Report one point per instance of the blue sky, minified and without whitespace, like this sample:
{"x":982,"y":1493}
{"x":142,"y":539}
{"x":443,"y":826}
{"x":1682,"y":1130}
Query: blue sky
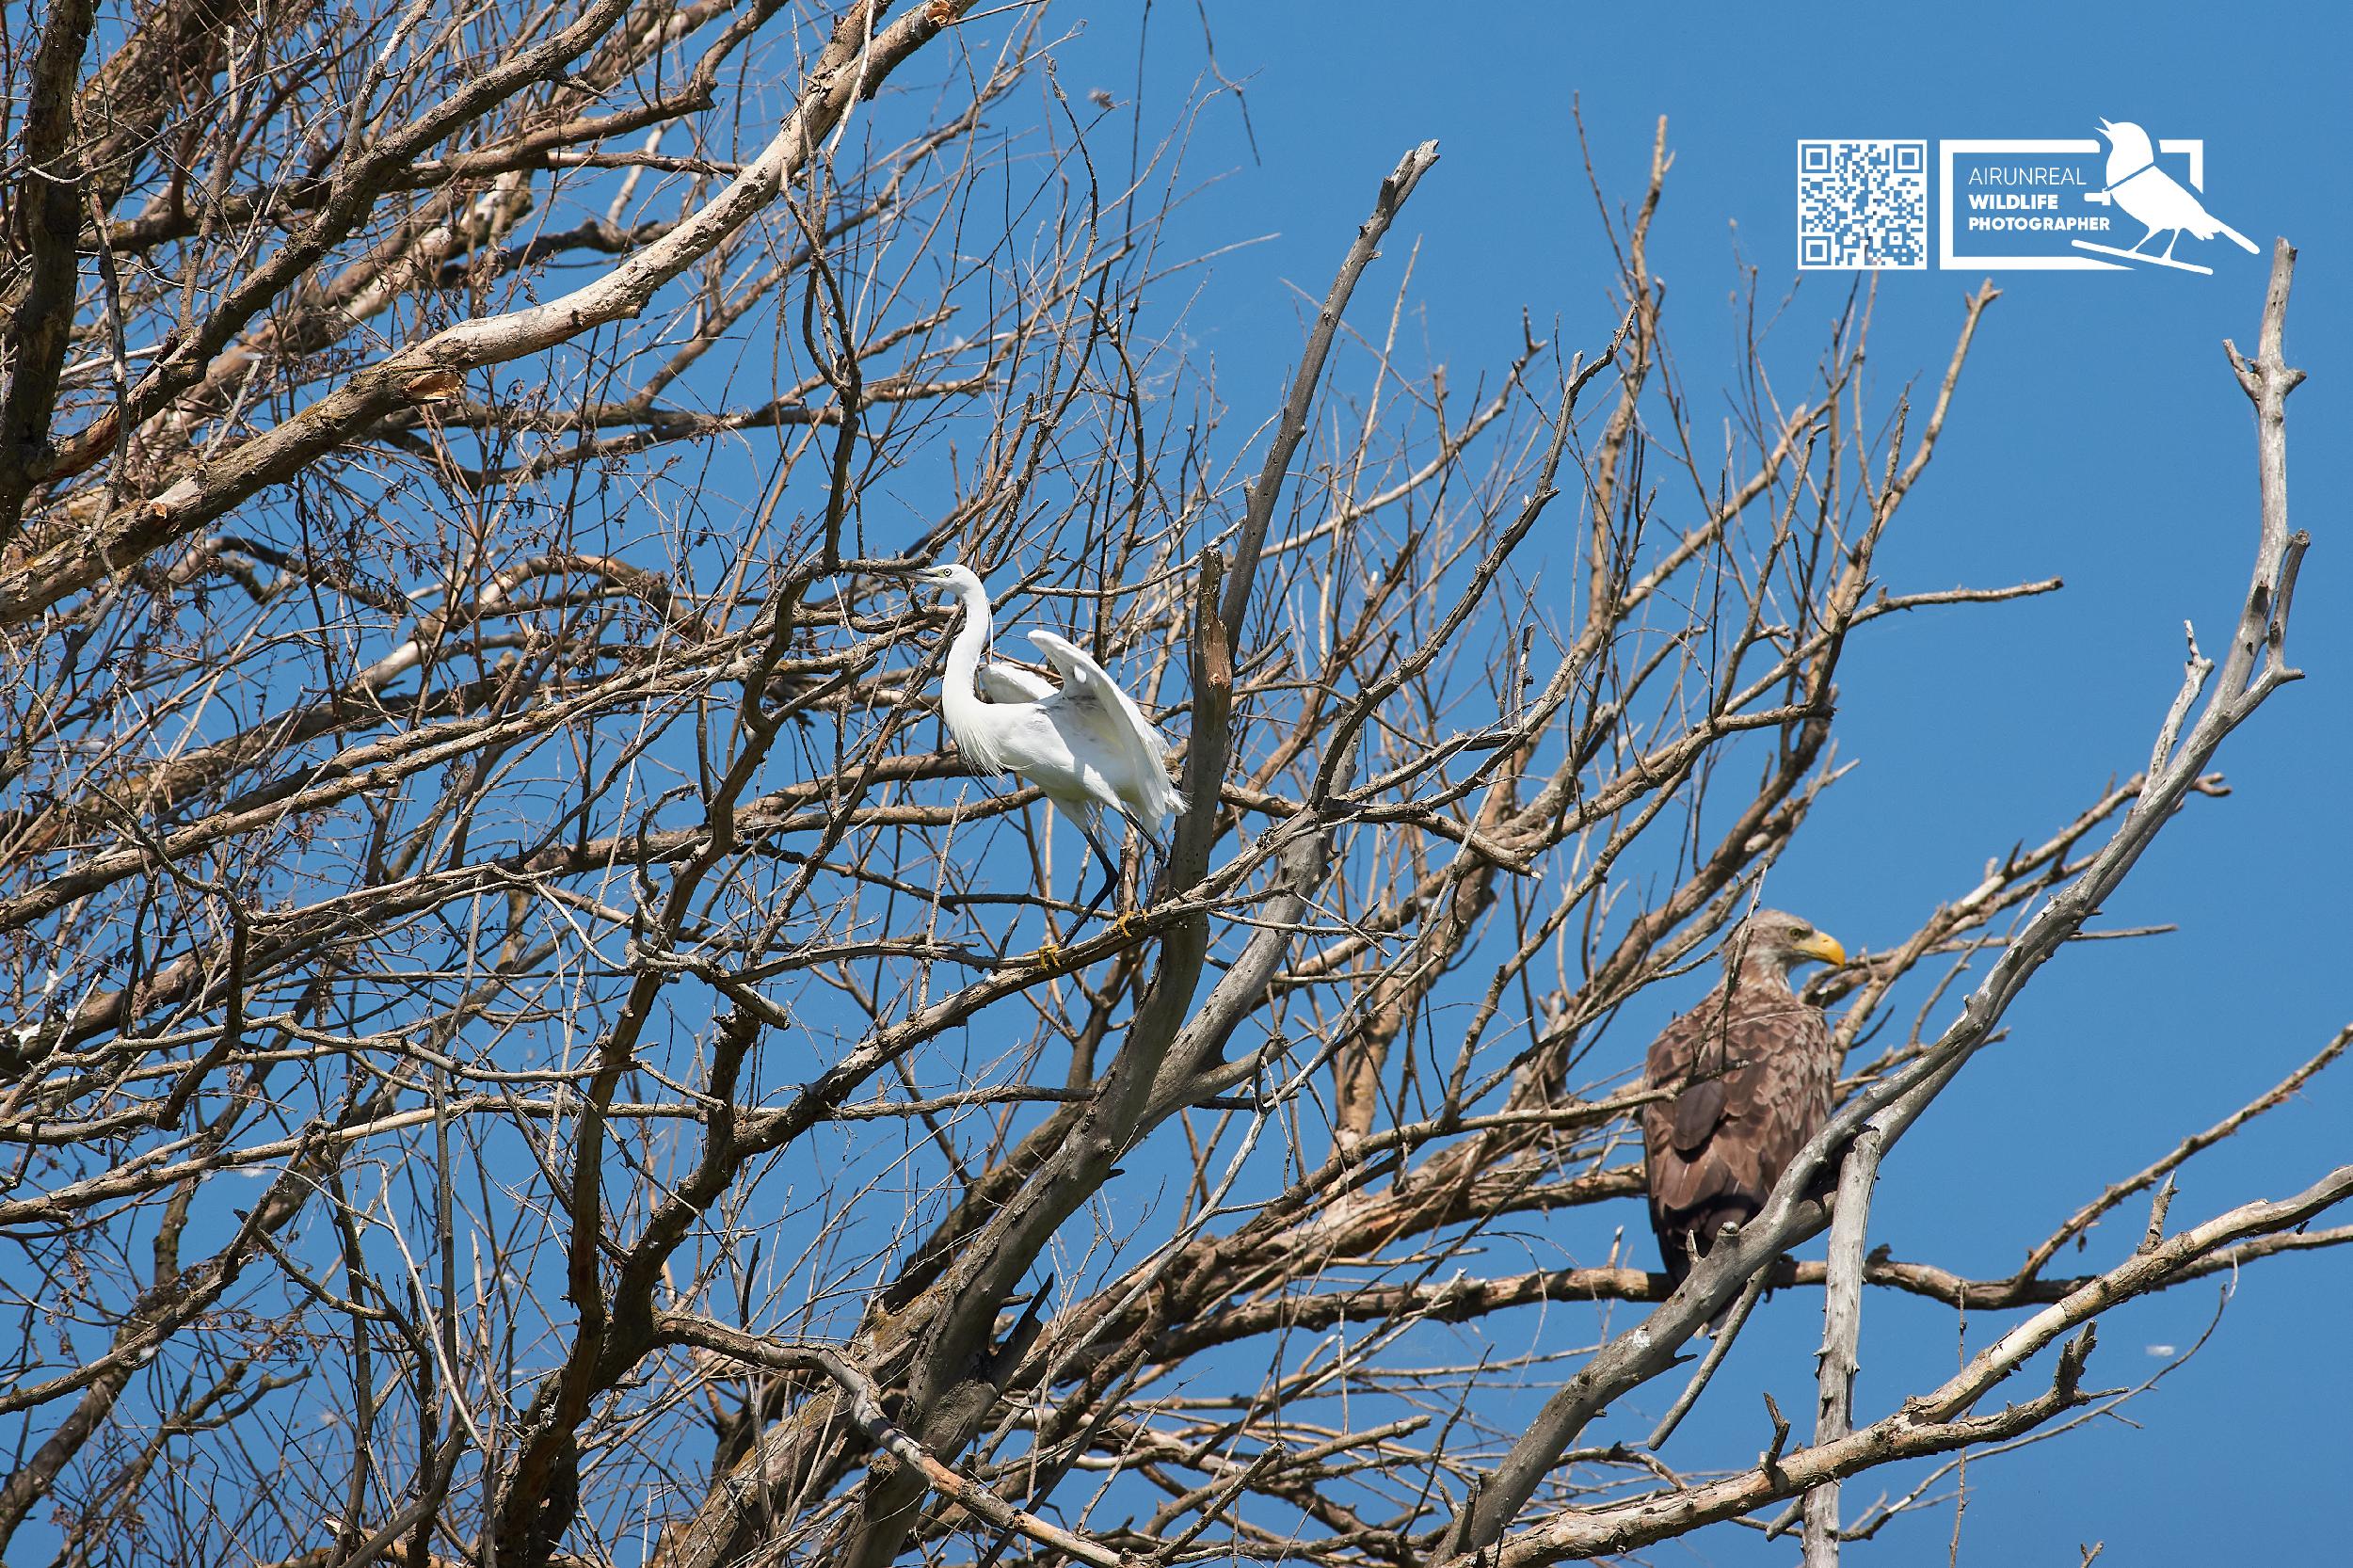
{"x":2098,"y":437}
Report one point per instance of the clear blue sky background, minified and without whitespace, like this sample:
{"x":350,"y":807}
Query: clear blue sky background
{"x":2099,"y":437}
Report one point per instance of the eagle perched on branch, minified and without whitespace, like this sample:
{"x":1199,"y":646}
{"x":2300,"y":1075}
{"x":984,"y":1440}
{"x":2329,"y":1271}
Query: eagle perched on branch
{"x":1748,"y":1072}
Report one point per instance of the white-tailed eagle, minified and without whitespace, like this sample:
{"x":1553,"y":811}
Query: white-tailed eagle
{"x":1749,"y":1073}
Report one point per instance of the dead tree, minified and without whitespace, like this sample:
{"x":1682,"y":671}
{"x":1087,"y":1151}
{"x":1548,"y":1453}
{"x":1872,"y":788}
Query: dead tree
{"x":523,"y":1041}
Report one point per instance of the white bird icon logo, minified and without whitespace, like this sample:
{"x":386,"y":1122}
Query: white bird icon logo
{"x":2150,"y":194}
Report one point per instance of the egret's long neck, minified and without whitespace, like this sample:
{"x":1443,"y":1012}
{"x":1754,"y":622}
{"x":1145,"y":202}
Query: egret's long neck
{"x":959,"y":698}
{"x":964,"y":654}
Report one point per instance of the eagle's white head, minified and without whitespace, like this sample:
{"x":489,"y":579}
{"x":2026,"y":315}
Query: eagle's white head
{"x":1770,"y":943}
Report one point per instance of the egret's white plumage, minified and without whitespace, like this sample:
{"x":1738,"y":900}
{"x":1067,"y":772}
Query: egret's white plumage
{"x":1084,"y":743}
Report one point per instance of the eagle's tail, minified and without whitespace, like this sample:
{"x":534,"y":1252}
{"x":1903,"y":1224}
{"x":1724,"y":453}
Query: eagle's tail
{"x":1698,"y":1232}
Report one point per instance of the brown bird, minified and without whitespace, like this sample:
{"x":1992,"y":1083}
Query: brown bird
{"x":1748,"y":1072}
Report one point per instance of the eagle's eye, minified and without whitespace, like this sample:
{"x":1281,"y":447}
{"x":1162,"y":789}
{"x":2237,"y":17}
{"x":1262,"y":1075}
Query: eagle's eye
{"x":1798,"y":933}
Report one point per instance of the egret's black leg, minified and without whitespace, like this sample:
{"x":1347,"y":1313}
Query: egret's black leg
{"x":1110,"y":865}
{"x":1149,"y":835}
{"x":1161,"y":850}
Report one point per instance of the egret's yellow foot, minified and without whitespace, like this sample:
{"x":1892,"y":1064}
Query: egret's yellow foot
{"x":1046,"y":958}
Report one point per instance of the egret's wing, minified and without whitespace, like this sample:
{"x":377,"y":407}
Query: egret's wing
{"x":1122,"y":723}
{"x":1010,"y":683}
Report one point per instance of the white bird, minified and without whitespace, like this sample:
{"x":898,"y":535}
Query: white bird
{"x":2150,"y":194}
{"x":1085,"y":743}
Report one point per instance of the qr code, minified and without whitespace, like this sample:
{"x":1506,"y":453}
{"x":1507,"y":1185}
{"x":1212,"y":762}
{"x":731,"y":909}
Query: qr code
{"x":1862,"y":204}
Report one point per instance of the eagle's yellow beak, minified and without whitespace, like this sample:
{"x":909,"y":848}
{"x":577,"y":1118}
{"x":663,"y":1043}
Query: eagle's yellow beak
{"x":1824,"y":946}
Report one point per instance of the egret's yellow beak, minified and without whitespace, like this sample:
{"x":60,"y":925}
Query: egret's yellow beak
{"x":1824,"y":946}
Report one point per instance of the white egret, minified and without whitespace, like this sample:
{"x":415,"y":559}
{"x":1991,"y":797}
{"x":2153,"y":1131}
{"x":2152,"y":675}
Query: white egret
{"x":1085,"y":743}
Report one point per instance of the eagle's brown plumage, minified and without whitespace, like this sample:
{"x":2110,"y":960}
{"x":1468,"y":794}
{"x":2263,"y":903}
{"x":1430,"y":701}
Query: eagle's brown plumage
{"x":1752,"y":1068}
